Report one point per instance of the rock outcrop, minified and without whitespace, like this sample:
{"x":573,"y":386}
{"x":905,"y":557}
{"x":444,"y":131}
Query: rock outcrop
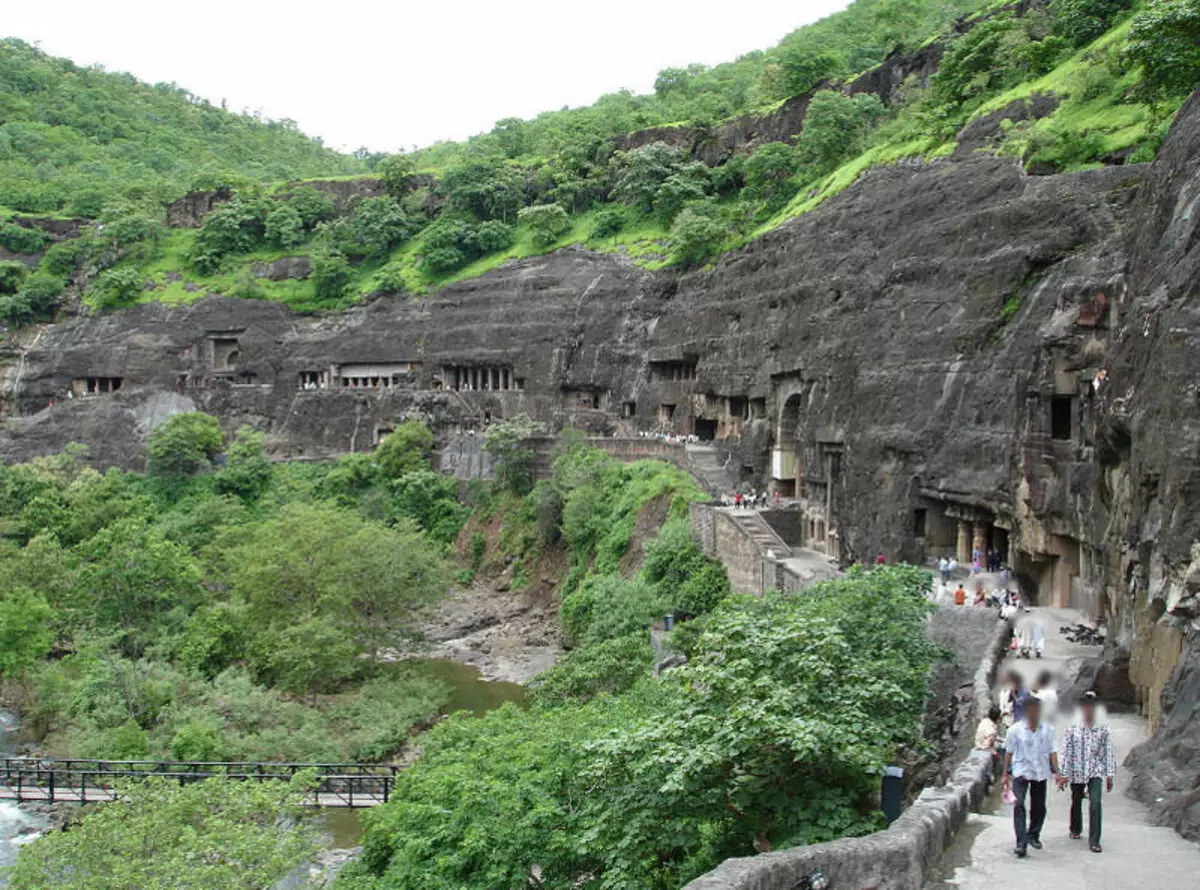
{"x":945,"y":357}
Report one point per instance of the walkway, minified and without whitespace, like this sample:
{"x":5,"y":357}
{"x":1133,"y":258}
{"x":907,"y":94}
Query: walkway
{"x":83,"y":781}
{"x":1137,"y":855}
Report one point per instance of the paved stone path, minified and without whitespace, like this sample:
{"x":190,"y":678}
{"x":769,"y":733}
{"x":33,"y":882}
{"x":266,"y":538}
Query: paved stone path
{"x":1137,"y":855}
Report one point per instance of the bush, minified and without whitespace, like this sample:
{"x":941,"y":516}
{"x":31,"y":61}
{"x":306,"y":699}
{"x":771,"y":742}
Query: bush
{"x":330,"y":275}
{"x":1164,"y":43}
{"x":546,"y":221}
{"x":696,"y":235}
{"x":41,"y":291}
{"x":20,"y":239}
{"x":12,"y":274}
{"x":608,"y":222}
{"x":391,"y":278}
{"x":1082,"y":21}
{"x":184,"y":444}
{"x":247,"y":472}
{"x":405,"y":450}
{"x":117,"y":287}
{"x":610,"y":667}
{"x":284,"y":226}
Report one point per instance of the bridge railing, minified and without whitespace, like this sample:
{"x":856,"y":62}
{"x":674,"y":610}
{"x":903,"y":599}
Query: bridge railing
{"x":337,"y":784}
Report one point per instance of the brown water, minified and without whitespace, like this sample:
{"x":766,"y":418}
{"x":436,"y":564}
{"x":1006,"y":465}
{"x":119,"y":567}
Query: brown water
{"x":468,"y":692}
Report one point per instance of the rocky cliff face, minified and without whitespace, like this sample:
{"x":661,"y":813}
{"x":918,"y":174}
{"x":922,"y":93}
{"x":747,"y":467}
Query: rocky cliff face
{"x":945,"y":357}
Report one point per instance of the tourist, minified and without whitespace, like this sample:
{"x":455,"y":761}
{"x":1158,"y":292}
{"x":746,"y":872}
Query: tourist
{"x":880,"y":559}
{"x":1088,"y":765}
{"x":1030,"y":758}
{"x":1043,"y":688}
{"x":976,"y":562}
{"x":1037,"y":634}
{"x":737,"y":500}
{"x":1012,"y":699}
{"x":953,"y":565}
{"x":960,"y":596}
{"x":944,"y":568}
{"x":987,"y":734}
{"x":980,"y":596}
{"x":777,"y":497}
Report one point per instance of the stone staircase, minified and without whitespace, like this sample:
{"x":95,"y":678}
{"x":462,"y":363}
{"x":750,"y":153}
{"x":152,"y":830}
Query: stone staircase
{"x":711,"y":466}
{"x":760,"y":532}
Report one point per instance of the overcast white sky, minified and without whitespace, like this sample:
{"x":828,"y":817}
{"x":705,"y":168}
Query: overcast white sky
{"x":388,"y":76}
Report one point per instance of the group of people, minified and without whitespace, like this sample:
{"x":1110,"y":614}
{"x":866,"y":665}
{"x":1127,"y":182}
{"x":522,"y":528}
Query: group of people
{"x":750,"y":500}
{"x":1020,"y":733}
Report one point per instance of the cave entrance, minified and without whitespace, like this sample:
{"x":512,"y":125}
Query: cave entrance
{"x":705,"y":430}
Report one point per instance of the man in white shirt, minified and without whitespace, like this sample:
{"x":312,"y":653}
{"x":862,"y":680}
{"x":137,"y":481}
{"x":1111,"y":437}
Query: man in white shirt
{"x":1030,"y":759}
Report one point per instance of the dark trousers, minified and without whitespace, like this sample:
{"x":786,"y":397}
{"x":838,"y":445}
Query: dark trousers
{"x":1037,"y":810}
{"x":1094,"y":789}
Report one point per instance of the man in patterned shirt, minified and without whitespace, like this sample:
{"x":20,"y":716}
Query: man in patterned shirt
{"x":1088,"y":764}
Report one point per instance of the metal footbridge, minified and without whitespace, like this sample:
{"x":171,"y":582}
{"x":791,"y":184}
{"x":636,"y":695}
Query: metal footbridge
{"x":95,"y":781}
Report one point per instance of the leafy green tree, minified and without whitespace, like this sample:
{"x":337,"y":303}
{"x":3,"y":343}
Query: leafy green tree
{"x":247,"y":471}
{"x":547,"y":221}
{"x":117,"y":287}
{"x":1082,"y":21}
{"x":1164,"y":44}
{"x":184,"y":444}
{"x":696,"y":235}
{"x":284,"y":226}
{"x":41,"y":291}
{"x":493,"y":235}
{"x":658,"y":179}
{"x":131,"y":578}
{"x":609,"y":221}
{"x":378,"y":225}
{"x":236,"y":226}
{"x":835,"y":127}
{"x":768,"y":173}
{"x":405,"y":449}
{"x":798,"y":69}
{"x":606,"y":607}
{"x":330,"y":275}
{"x":431,"y":501}
{"x":160,"y":835}
{"x":26,"y":630}
{"x":395,"y":171}
{"x":485,"y":188}
{"x":610,"y":667}
{"x":20,"y":239}
{"x":12,"y":274}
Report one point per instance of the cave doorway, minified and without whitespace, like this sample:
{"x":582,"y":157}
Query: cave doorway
{"x":705,"y":430}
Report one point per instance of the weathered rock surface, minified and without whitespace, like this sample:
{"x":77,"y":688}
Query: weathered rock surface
{"x":944,"y":356}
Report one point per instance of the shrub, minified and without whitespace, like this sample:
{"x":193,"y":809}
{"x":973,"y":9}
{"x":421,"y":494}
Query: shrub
{"x":12,"y":274}
{"x":184,"y":444}
{"x":547,"y":222}
{"x":330,"y":274}
{"x":117,"y":287}
{"x":608,"y":222}
{"x":20,"y":239}
{"x":41,"y":291}
{"x":405,"y":450}
{"x":1164,"y":43}
{"x":284,"y":226}
{"x":696,"y":235}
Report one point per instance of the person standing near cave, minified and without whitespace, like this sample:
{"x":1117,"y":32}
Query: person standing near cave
{"x":1088,"y":766}
{"x":1030,"y":759}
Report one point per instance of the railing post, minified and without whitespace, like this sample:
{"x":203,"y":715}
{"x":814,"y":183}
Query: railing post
{"x":51,"y":786}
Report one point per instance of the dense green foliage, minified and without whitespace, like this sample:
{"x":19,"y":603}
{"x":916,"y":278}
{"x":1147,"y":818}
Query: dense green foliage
{"x":774,"y":733}
{"x":163,"y":836}
{"x":74,"y":140}
{"x":221,"y":607}
{"x":1117,"y":70}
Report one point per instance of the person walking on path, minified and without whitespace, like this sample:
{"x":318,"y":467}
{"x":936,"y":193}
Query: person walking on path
{"x":944,"y":568}
{"x":1030,"y":758}
{"x":1012,"y":699}
{"x":1088,"y":765}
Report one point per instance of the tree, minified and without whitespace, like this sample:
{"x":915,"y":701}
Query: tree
{"x":768,"y":172}
{"x":609,"y":221}
{"x":12,"y":273}
{"x":507,"y":442}
{"x":798,"y":69}
{"x":696,"y":235}
{"x":26,"y":630}
{"x":395,"y":171}
{"x":658,"y":179}
{"x":117,"y":287}
{"x":485,"y":188}
{"x":131,"y":578}
{"x":330,"y":274}
{"x":285,"y":226}
{"x":1082,"y":21}
{"x":247,"y":471}
{"x":41,"y":291}
{"x":316,"y":562}
{"x":1164,"y":44}
{"x":405,"y":449}
{"x":834,"y":128}
{"x":547,"y":221}
{"x":378,"y":225}
{"x":161,"y":835}
{"x":184,"y":444}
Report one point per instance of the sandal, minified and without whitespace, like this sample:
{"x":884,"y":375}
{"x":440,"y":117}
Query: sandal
{"x":1095,"y":848}
{"x":1075,"y":836}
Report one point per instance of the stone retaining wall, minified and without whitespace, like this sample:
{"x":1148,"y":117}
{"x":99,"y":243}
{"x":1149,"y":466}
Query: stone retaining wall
{"x":897,"y":858}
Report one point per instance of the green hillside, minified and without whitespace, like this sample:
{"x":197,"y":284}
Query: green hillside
{"x":1059,"y":85}
{"x":74,"y":139}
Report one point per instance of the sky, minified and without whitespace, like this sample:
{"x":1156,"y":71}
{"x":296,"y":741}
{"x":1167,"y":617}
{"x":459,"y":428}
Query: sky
{"x":388,"y":77}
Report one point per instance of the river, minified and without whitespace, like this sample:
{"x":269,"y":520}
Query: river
{"x":342,"y":828}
